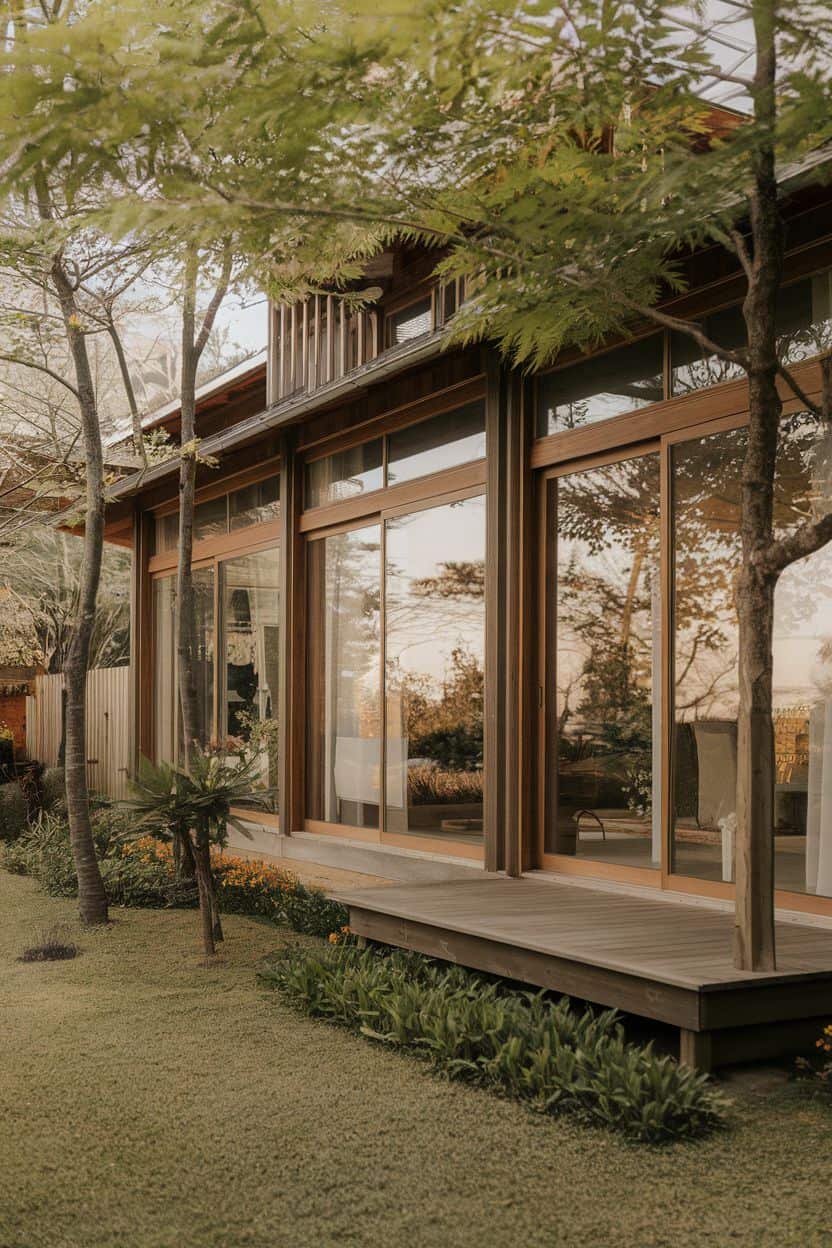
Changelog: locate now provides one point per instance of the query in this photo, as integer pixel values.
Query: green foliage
(140, 872)
(817, 1074)
(518, 1044)
(12, 812)
(168, 799)
(43, 851)
(311, 912)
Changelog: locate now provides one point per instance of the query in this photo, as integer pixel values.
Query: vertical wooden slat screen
(108, 727)
(318, 341)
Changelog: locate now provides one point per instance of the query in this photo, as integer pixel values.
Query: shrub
(43, 851)
(54, 791)
(310, 911)
(141, 873)
(818, 1073)
(12, 812)
(52, 945)
(518, 1044)
(435, 785)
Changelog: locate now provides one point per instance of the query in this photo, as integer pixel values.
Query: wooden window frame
(422, 494)
(213, 553)
(687, 418)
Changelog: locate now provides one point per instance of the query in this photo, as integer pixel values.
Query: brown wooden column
(141, 640)
(291, 765)
(509, 774)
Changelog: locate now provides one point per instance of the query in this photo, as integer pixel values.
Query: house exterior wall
(13, 716)
(540, 446)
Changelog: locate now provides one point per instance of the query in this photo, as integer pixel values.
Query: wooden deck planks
(664, 941)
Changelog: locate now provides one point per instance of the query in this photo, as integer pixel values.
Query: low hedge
(519, 1044)
(140, 873)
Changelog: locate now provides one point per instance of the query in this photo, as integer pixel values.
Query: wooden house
(482, 627)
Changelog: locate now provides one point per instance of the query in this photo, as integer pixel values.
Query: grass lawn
(148, 1102)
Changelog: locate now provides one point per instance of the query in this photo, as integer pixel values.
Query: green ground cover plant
(520, 1044)
(141, 873)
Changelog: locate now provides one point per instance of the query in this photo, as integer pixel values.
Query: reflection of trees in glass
(608, 549)
(352, 607)
(706, 492)
(435, 650)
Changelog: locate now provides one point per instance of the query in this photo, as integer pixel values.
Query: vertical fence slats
(108, 755)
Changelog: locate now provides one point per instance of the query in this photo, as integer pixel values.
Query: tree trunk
(754, 947)
(92, 897)
(202, 857)
(754, 942)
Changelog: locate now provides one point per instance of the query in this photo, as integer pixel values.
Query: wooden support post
(292, 646)
(508, 778)
(696, 1049)
(141, 641)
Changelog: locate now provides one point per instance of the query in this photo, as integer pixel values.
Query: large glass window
(804, 322)
(434, 665)
(167, 721)
(609, 384)
(204, 653)
(251, 657)
(607, 624)
(164, 670)
(410, 322)
(214, 517)
(343, 712)
(345, 474)
(443, 441)
(428, 446)
(706, 512)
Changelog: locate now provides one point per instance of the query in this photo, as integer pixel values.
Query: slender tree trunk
(92, 897)
(202, 858)
(754, 945)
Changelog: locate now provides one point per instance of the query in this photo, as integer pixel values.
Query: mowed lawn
(148, 1102)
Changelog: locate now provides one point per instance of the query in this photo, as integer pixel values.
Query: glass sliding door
(204, 616)
(167, 719)
(706, 515)
(343, 711)
(434, 607)
(603, 753)
(251, 657)
(164, 670)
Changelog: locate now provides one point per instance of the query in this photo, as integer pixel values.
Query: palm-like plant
(194, 809)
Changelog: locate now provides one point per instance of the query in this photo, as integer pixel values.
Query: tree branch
(41, 368)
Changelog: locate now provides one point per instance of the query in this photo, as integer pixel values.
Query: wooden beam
(696, 1049)
(140, 708)
(292, 642)
(509, 525)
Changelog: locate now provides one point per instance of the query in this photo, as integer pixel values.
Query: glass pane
(706, 526)
(164, 670)
(345, 474)
(211, 518)
(610, 384)
(607, 606)
(343, 711)
(254, 504)
(167, 532)
(706, 509)
(410, 322)
(444, 441)
(804, 321)
(251, 663)
(204, 613)
(435, 671)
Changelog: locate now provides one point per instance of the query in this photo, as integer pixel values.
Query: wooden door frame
(724, 414)
(546, 793)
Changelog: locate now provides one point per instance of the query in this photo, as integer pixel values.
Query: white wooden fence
(108, 728)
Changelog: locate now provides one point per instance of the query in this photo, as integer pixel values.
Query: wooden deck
(658, 959)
